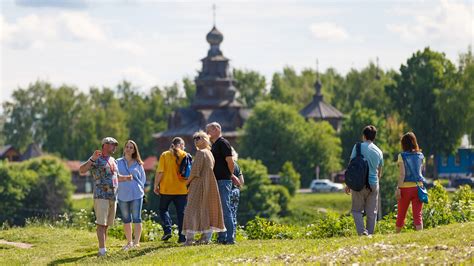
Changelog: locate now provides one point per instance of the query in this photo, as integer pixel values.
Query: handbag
(422, 192)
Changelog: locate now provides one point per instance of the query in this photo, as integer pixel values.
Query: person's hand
(96, 155)
(347, 190)
(129, 177)
(398, 194)
(235, 180)
(157, 190)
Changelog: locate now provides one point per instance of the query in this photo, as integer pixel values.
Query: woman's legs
(136, 209)
(403, 204)
(417, 207)
(189, 239)
(125, 207)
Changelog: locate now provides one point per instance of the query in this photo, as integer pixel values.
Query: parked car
(325, 185)
(457, 182)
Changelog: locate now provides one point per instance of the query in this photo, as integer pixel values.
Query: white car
(325, 185)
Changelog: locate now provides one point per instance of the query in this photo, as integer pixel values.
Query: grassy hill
(52, 246)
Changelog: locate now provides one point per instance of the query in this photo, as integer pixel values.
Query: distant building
(460, 164)
(318, 110)
(31, 152)
(82, 182)
(215, 101)
(10, 153)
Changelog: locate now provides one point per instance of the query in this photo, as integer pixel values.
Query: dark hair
(370, 132)
(174, 147)
(409, 143)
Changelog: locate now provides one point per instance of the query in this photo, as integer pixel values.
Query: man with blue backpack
(362, 181)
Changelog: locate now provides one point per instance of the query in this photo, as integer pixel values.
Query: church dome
(214, 37)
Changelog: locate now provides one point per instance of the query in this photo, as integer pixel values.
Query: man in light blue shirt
(366, 200)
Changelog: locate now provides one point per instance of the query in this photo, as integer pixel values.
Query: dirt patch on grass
(15, 244)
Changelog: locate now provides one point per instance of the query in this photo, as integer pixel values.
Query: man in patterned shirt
(103, 169)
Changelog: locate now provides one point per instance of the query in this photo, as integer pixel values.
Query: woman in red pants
(410, 163)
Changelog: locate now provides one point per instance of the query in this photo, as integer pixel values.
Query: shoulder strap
(358, 149)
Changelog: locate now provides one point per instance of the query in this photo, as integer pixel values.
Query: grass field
(53, 246)
(305, 208)
(85, 203)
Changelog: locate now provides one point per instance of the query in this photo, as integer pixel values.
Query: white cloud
(446, 21)
(140, 76)
(328, 31)
(130, 47)
(37, 31)
(52, 3)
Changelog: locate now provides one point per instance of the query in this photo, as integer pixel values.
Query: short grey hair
(214, 125)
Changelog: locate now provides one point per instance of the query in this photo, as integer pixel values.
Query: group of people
(205, 202)
(411, 165)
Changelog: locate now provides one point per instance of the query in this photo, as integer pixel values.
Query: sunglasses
(197, 138)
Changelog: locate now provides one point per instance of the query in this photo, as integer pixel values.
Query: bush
(463, 204)
(260, 228)
(331, 225)
(388, 183)
(289, 178)
(283, 198)
(257, 197)
(37, 187)
(438, 210)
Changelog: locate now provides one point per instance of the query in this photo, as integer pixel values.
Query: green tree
(367, 87)
(189, 90)
(59, 121)
(251, 86)
(295, 89)
(289, 178)
(258, 197)
(110, 118)
(276, 133)
(145, 115)
(466, 69)
(429, 99)
(24, 114)
(352, 127)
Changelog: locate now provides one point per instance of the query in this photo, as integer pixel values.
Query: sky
(86, 43)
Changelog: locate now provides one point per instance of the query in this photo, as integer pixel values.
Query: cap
(109, 140)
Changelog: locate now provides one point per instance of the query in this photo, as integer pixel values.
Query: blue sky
(99, 43)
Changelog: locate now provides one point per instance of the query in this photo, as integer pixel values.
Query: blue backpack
(357, 172)
(185, 166)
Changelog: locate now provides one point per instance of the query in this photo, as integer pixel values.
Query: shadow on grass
(143, 251)
(70, 260)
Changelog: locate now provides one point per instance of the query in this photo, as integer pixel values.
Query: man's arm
(86, 166)
(230, 164)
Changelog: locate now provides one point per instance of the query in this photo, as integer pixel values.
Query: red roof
(150, 163)
(74, 166)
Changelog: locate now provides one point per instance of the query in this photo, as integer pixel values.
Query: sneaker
(165, 237)
(188, 243)
(181, 240)
(127, 246)
(102, 254)
(136, 246)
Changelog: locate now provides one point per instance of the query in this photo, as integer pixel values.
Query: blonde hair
(235, 155)
(136, 154)
(174, 147)
(203, 135)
